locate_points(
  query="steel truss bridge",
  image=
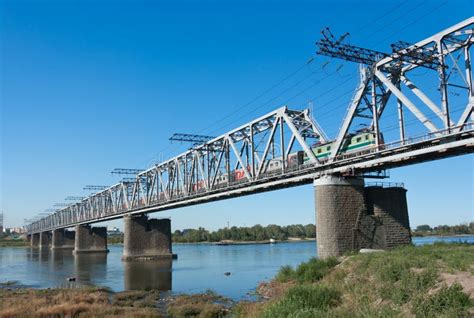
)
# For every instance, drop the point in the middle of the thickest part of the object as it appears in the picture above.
(260, 155)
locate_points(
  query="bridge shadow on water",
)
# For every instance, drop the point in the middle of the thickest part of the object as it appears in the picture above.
(62, 268)
(147, 275)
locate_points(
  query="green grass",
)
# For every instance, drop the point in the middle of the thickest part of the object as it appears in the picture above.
(402, 282)
(305, 300)
(310, 271)
(447, 302)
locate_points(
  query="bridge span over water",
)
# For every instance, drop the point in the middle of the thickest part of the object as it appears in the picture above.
(285, 148)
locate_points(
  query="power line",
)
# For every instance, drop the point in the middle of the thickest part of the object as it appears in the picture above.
(395, 8)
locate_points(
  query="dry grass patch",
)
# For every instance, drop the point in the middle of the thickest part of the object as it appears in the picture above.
(68, 303)
(206, 305)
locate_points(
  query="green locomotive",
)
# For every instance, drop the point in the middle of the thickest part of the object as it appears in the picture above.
(353, 142)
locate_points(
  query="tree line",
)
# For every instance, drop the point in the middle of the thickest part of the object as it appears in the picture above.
(254, 233)
(425, 229)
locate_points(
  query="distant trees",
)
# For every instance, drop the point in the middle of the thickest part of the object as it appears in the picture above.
(254, 233)
(424, 227)
(445, 229)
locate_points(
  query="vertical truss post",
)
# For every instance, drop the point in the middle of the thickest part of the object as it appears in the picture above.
(467, 59)
(252, 149)
(375, 112)
(282, 146)
(470, 107)
(401, 122)
(443, 87)
(227, 160)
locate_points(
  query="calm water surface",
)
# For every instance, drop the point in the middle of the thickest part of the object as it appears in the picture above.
(199, 267)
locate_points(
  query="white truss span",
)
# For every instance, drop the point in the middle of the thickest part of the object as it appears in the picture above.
(279, 149)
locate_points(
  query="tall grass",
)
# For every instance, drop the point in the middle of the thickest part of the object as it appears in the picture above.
(310, 271)
(402, 282)
(305, 300)
(447, 302)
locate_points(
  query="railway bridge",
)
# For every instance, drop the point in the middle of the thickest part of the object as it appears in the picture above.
(286, 148)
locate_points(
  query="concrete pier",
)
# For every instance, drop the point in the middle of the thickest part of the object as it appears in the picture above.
(146, 238)
(339, 201)
(34, 239)
(390, 206)
(62, 239)
(90, 239)
(350, 216)
(44, 239)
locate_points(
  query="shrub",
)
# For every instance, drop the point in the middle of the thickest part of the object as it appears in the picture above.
(315, 269)
(304, 301)
(448, 302)
(286, 273)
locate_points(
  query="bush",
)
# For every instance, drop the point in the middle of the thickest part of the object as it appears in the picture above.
(285, 274)
(304, 301)
(448, 302)
(310, 271)
(315, 269)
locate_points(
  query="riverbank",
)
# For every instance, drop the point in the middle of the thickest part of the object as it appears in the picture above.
(7, 242)
(118, 240)
(113, 241)
(431, 280)
(234, 242)
(423, 281)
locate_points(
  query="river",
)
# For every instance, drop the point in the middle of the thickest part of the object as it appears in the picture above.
(199, 267)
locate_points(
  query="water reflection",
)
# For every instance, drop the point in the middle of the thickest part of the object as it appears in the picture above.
(146, 275)
(61, 256)
(90, 267)
(43, 256)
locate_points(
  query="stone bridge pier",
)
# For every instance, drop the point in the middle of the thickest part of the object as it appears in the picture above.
(62, 239)
(34, 239)
(351, 216)
(146, 238)
(90, 239)
(44, 239)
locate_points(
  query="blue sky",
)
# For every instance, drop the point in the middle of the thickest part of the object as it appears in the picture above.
(88, 86)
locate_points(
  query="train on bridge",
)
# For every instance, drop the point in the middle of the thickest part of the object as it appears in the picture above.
(361, 140)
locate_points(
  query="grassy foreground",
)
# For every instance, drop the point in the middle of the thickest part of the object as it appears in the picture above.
(425, 281)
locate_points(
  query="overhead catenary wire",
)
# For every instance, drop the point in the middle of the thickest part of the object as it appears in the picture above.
(338, 85)
(286, 78)
(294, 73)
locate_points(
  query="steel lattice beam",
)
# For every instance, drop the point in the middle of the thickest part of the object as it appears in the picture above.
(257, 156)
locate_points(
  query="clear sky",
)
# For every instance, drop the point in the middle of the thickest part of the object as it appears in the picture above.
(88, 86)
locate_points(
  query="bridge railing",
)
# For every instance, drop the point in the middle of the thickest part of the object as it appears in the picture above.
(385, 184)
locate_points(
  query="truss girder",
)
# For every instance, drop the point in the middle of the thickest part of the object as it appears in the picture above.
(233, 158)
(258, 155)
(389, 78)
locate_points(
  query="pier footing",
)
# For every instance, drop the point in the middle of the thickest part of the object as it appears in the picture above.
(34, 239)
(146, 239)
(44, 239)
(62, 239)
(90, 239)
(350, 216)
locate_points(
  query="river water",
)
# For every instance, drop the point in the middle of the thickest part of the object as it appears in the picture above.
(199, 267)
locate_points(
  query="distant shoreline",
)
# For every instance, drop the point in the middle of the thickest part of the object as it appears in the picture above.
(233, 242)
(22, 243)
